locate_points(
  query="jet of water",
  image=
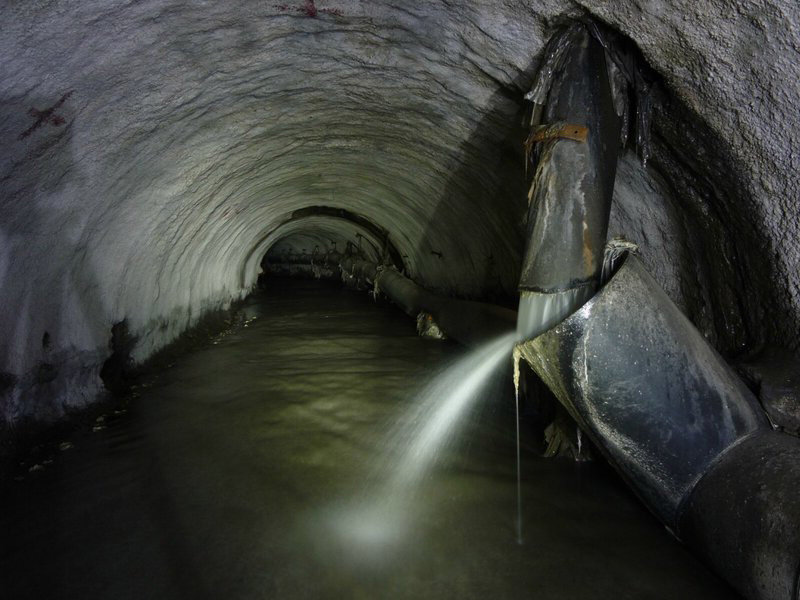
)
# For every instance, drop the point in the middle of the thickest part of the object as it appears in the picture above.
(422, 437)
(441, 408)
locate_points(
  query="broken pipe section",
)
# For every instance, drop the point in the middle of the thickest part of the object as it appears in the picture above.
(570, 198)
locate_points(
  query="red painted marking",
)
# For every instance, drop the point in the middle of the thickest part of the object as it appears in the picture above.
(309, 9)
(47, 115)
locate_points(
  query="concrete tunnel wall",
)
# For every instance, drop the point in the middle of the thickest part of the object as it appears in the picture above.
(173, 138)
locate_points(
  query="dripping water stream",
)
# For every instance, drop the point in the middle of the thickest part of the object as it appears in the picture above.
(516, 359)
(381, 514)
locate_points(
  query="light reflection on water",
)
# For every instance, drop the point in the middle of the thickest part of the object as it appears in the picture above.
(229, 477)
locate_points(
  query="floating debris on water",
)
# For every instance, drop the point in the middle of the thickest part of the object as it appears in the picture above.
(427, 327)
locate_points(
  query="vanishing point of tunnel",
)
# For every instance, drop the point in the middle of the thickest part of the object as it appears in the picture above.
(367, 299)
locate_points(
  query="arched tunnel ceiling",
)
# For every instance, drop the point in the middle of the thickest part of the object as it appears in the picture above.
(150, 147)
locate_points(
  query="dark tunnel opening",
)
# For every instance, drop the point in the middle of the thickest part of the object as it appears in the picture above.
(313, 241)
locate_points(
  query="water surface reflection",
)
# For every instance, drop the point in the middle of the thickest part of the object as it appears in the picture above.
(234, 477)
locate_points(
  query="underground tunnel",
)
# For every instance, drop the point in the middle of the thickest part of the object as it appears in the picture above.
(339, 299)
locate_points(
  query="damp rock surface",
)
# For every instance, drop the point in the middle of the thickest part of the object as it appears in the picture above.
(154, 151)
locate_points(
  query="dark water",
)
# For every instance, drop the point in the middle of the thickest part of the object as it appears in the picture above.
(229, 476)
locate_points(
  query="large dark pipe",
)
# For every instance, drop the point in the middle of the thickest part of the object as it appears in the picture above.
(363, 271)
(660, 404)
(469, 323)
(302, 270)
(572, 187)
(681, 428)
